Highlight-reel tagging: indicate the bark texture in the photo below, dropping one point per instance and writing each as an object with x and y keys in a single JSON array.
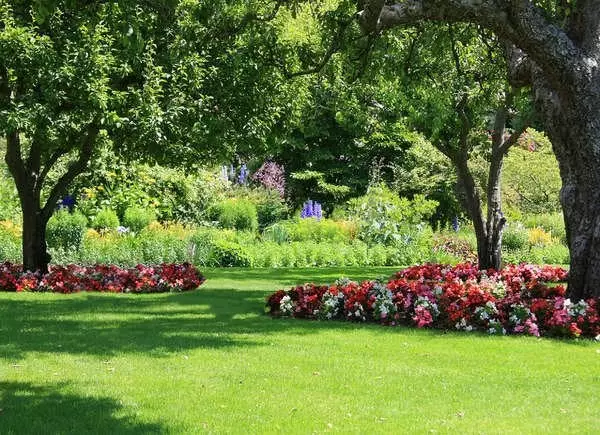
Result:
[
  {"x": 488, "y": 228},
  {"x": 562, "y": 65}
]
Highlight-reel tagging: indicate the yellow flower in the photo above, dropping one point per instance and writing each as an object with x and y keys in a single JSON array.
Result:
[
  {"x": 539, "y": 237},
  {"x": 92, "y": 234}
]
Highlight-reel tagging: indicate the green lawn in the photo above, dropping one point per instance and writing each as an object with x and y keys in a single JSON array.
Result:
[{"x": 211, "y": 361}]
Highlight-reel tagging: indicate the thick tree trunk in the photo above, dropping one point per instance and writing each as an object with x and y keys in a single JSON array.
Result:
[
  {"x": 35, "y": 252},
  {"x": 563, "y": 67},
  {"x": 26, "y": 175},
  {"x": 573, "y": 124}
]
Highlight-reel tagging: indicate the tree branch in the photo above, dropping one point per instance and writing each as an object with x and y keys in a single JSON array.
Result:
[
  {"x": 455, "y": 54},
  {"x": 521, "y": 22},
  {"x": 369, "y": 16},
  {"x": 14, "y": 160},
  {"x": 520, "y": 67},
  {"x": 334, "y": 47},
  {"x": 75, "y": 168},
  {"x": 47, "y": 167}
]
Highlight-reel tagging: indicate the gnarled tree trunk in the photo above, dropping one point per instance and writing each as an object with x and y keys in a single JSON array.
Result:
[{"x": 574, "y": 130}]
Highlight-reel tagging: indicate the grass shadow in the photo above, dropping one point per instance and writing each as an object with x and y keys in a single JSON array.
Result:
[
  {"x": 157, "y": 325},
  {"x": 33, "y": 409},
  {"x": 226, "y": 312}
]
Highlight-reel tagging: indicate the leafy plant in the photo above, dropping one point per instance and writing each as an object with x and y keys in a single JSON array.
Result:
[
  {"x": 225, "y": 253},
  {"x": 239, "y": 214},
  {"x": 65, "y": 230},
  {"x": 137, "y": 218},
  {"x": 106, "y": 219},
  {"x": 384, "y": 218},
  {"x": 539, "y": 237},
  {"x": 514, "y": 237},
  {"x": 270, "y": 206},
  {"x": 553, "y": 223}
]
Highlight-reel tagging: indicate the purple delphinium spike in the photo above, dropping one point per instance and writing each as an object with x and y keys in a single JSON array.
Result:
[
  {"x": 455, "y": 224},
  {"x": 318, "y": 211},
  {"x": 243, "y": 174}
]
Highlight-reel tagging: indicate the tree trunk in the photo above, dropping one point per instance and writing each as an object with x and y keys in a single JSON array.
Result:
[
  {"x": 488, "y": 233},
  {"x": 29, "y": 176},
  {"x": 35, "y": 252},
  {"x": 573, "y": 125},
  {"x": 495, "y": 218}
]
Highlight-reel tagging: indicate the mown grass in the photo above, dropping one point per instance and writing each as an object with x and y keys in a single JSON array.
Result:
[{"x": 210, "y": 361}]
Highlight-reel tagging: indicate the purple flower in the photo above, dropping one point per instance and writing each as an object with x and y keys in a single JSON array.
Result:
[
  {"x": 272, "y": 176},
  {"x": 455, "y": 224},
  {"x": 311, "y": 209},
  {"x": 243, "y": 175}
]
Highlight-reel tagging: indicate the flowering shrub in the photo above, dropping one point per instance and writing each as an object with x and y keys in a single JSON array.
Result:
[
  {"x": 102, "y": 278},
  {"x": 524, "y": 299},
  {"x": 272, "y": 176}
]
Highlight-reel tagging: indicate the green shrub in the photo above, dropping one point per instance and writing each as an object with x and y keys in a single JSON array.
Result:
[
  {"x": 174, "y": 194},
  {"x": 552, "y": 254},
  {"x": 200, "y": 247},
  {"x": 10, "y": 242},
  {"x": 302, "y": 230},
  {"x": 106, "y": 219},
  {"x": 229, "y": 254},
  {"x": 514, "y": 237},
  {"x": 65, "y": 230},
  {"x": 531, "y": 177},
  {"x": 384, "y": 218},
  {"x": 278, "y": 233},
  {"x": 137, "y": 218},
  {"x": 269, "y": 205},
  {"x": 110, "y": 249},
  {"x": 238, "y": 214}
]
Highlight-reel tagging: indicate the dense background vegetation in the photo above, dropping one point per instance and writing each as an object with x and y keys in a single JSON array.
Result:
[{"x": 190, "y": 168}]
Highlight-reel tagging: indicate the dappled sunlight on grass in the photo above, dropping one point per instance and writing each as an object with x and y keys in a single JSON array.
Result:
[{"x": 211, "y": 360}]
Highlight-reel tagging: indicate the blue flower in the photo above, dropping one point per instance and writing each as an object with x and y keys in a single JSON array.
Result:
[{"x": 311, "y": 209}]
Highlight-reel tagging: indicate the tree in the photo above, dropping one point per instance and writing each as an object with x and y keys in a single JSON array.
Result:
[
  {"x": 160, "y": 81},
  {"x": 554, "y": 47},
  {"x": 454, "y": 89}
]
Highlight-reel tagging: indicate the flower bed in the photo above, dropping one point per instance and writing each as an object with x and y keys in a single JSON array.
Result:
[
  {"x": 516, "y": 300},
  {"x": 102, "y": 278}
]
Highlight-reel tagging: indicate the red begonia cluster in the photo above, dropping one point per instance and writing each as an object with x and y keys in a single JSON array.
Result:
[
  {"x": 524, "y": 299},
  {"x": 102, "y": 278}
]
